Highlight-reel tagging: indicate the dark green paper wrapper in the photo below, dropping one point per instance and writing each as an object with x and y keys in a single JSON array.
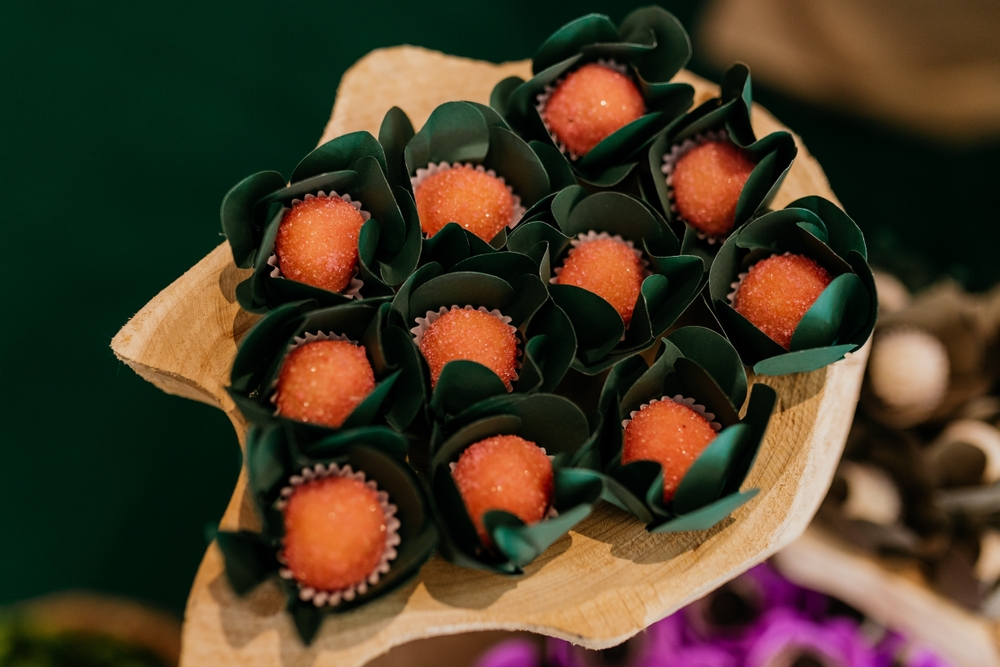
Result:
[
  {"x": 730, "y": 112},
  {"x": 353, "y": 164},
  {"x": 398, "y": 394},
  {"x": 505, "y": 281},
  {"x": 673, "y": 283},
  {"x": 553, "y": 423},
  {"x": 274, "y": 455},
  {"x": 466, "y": 133},
  {"x": 650, "y": 42},
  {"x": 841, "y": 319},
  {"x": 695, "y": 363}
]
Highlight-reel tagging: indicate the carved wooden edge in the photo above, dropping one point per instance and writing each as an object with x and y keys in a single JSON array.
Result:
[
  {"x": 200, "y": 306},
  {"x": 896, "y": 599}
]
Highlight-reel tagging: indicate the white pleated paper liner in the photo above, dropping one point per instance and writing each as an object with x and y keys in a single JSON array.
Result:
[
  {"x": 392, "y": 539},
  {"x": 353, "y": 290},
  {"x": 687, "y": 402},
  {"x": 677, "y": 151},
  {"x": 423, "y": 173},
  {"x": 432, "y": 316},
  {"x": 542, "y": 99}
]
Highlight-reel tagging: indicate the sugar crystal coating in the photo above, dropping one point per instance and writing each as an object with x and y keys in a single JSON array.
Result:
[
  {"x": 335, "y": 533},
  {"x": 475, "y": 200},
  {"x": 505, "y": 472},
  {"x": 707, "y": 182},
  {"x": 671, "y": 434},
  {"x": 591, "y": 104},
  {"x": 323, "y": 381},
  {"x": 464, "y": 333},
  {"x": 778, "y": 291},
  {"x": 607, "y": 267},
  {"x": 317, "y": 243}
]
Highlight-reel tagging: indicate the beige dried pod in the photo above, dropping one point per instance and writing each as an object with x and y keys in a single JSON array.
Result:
[
  {"x": 908, "y": 373},
  {"x": 871, "y": 494},
  {"x": 892, "y": 293},
  {"x": 988, "y": 564},
  {"x": 967, "y": 453}
]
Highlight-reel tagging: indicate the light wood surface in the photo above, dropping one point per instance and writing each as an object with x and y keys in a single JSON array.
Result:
[
  {"x": 597, "y": 586},
  {"x": 897, "y": 598}
]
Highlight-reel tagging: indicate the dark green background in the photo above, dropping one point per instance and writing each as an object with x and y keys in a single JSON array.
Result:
[{"x": 122, "y": 126}]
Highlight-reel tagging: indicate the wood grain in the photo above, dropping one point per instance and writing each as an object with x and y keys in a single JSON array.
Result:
[{"x": 597, "y": 586}]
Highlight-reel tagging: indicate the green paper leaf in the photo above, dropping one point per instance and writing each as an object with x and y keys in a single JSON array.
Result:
[
  {"x": 803, "y": 361},
  {"x": 461, "y": 288},
  {"x": 571, "y": 38},
  {"x": 708, "y": 516},
  {"x": 463, "y": 383},
  {"x": 339, "y": 154},
  {"x": 515, "y": 161},
  {"x": 454, "y": 132},
  {"x": 597, "y": 324},
  {"x": 717, "y": 356},
  {"x": 395, "y": 132},
  {"x": 242, "y": 218},
  {"x": 705, "y": 479},
  {"x": 556, "y": 165},
  {"x": 821, "y": 324},
  {"x": 657, "y": 27}
]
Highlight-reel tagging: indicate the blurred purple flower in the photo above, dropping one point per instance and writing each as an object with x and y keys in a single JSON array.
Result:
[
  {"x": 511, "y": 653},
  {"x": 786, "y": 637}
]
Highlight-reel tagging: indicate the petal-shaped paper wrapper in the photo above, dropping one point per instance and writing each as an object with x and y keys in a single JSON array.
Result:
[
  {"x": 841, "y": 319},
  {"x": 654, "y": 46},
  {"x": 274, "y": 455},
  {"x": 696, "y": 363},
  {"x": 672, "y": 284},
  {"x": 353, "y": 164},
  {"x": 731, "y": 111},
  {"x": 184, "y": 341}
]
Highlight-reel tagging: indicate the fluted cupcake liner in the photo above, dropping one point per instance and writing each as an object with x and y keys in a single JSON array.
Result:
[
  {"x": 398, "y": 394},
  {"x": 840, "y": 320},
  {"x": 701, "y": 368},
  {"x": 275, "y": 455},
  {"x": 653, "y": 47},
  {"x": 554, "y": 424},
  {"x": 462, "y": 133},
  {"x": 727, "y": 116},
  {"x": 672, "y": 284},
  {"x": 353, "y": 165}
]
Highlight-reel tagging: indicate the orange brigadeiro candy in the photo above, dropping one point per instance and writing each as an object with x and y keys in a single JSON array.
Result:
[
  {"x": 335, "y": 533},
  {"x": 778, "y": 291},
  {"x": 475, "y": 200},
  {"x": 589, "y": 105},
  {"x": 607, "y": 267},
  {"x": 317, "y": 243},
  {"x": 507, "y": 473},
  {"x": 464, "y": 333},
  {"x": 671, "y": 434},
  {"x": 707, "y": 182},
  {"x": 323, "y": 381}
]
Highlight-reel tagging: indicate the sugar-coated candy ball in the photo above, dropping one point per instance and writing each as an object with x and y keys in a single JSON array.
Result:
[
  {"x": 591, "y": 104},
  {"x": 671, "y": 434},
  {"x": 475, "y": 200},
  {"x": 707, "y": 182},
  {"x": 317, "y": 243},
  {"x": 464, "y": 333},
  {"x": 335, "y": 533},
  {"x": 507, "y": 473},
  {"x": 323, "y": 381},
  {"x": 607, "y": 267},
  {"x": 778, "y": 291}
]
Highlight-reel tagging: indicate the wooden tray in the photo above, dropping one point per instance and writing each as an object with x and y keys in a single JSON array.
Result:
[
  {"x": 894, "y": 595},
  {"x": 597, "y": 586}
]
